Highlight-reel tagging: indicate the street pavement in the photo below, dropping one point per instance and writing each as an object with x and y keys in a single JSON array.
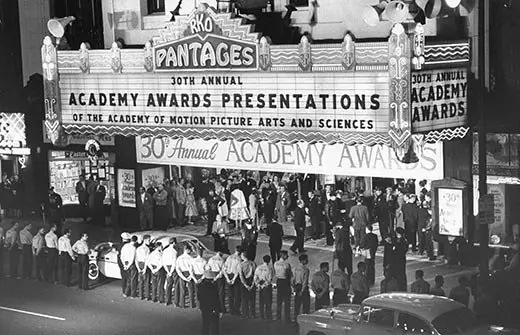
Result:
[{"x": 103, "y": 310}]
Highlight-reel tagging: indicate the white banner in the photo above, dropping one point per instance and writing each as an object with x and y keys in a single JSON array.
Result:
[
  {"x": 301, "y": 157},
  {"x": 451, "y": 221},
  {"x": 126, "y": 187}
]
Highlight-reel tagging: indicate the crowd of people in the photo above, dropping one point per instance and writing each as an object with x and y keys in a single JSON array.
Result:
[{"x": 11, "y": 195}]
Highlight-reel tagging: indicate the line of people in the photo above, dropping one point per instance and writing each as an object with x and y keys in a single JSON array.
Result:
[{"x": 44, "y": 256}]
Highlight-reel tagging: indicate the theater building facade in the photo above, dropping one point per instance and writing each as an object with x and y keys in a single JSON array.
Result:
[{"x": 207, "y": 93}]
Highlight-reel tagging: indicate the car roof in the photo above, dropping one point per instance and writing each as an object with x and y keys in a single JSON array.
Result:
[
  {"x": 425, "y": 306},
  {"x": 163, "y": 236}
]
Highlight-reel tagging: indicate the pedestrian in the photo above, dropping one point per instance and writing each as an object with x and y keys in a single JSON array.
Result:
[
  {"x": 282, "y": 271},
  {"x": 181, "y": 198},
  {"x": 320, "y": 286},
  {"x": 51, "y": 244},
  {"x": 66, "y": 256},
  {"x": 300, "y": 284},
  {"x": 314, "y": 211},
  {"x": 55, "y": 210},
  {"x": 198, "y": 266},
  {"x": 81, "y": 249},
  {"x": 231, "y": 272},
  {"x": 26, "y": 238},
  {"x": 420, "y": 285},
  {"x": 460, "y": 292},
  {"x": 154, "y": 264},
  {"x": 81, "y": 190},
  {"x": 389, "y": 283},
  {"x": 275, "y": 232},
  {"x": 381, "y": 213},
  {"x": 184, "y": 270},
  {"x": 209, "y": 304},
  {"x": 332, "y": 217},
  {"x": 269, "y": 196},
  {"x": 169, "y": 260},
  {"x": 359, "y": 284},
  {"x": 247, "y": 271},
  {"x": 220, "y": 231},
  {"x": 299, "y": 227},
  {"x": 127, "y": 259},
  {"x": 145, "y": 209},
  {"x": 161, "y": 218},
  {"x": 343, "y": 249},
  {"x": 38, "y": 251},
  {"x": 411, "y": 220},
  {"x": 340, "y": 283},
  {"x": 249, "y": 239},
  {"x": 97, "y": 197},
  {"x": 191, "y": 204},
  {"x": 437, "y": 288},
  {"x": 360, "y": 218},
  {"x": 2, "y": 238},
  {"x": 212, "y": 201},
  {"x": 263, "y": 279},
  {"x": 143, "y": 273},
  {"x": 399, "y": 259},
  {"x": 283, "y": 202},
  {"x": 216, "y": 265},
  {"x": 369, "y": 246},
  {"x": 12, "y": 244},
  {"x": 388, "y": 250},
  {"x": 428, "y": 229},
  {"x": 253, "y": 203}
]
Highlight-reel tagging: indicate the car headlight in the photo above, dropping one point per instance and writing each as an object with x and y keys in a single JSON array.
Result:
[{"x": 92, "y": 254}]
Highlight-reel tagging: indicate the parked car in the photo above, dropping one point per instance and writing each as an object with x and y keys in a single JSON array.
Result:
[
  {"x": 103, "y": 257},
  {"x": 397, "y": 314}
]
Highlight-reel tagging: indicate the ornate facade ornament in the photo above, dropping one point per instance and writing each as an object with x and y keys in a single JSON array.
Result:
[
  {"x": 304, "y": 54},
  {"x": 84, "y": 63},
  {"x": 51, "y": 90},
  {"x": 264, "y": 57},
  {"x": 148, "y": 57},
  {"x": 348, "y": 53},
  {"x": 115, "y": 62},
  {"x": 418, "y": 47}
]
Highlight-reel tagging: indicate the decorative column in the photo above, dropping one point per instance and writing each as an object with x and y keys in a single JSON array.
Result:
[
  {"x": 51, "y": 91},
  {"x": 399, "y": 51}
]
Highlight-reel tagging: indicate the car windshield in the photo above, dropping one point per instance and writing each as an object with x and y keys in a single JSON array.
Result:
[{"x": 456, "y": 322}]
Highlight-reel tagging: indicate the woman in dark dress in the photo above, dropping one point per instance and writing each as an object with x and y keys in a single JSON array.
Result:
[{"x": 399, "y": 259}]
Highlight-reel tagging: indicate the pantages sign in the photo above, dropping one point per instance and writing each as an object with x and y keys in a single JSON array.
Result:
[{"x": 208, "y": 76}]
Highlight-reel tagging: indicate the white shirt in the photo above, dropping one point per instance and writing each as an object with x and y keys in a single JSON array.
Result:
[
  {"x": 184, "y": 263},
  {"x": 155, "y": 260},
  {"x": 198, "y": 265},
  {"x": 51, "y": 240},
  {"x": 216, "y": 263},
  {"x": 64, "y": 246},
  {"x": 232, "y": 264},
  {"x": 169, "y": 258},
  {"x": 143, "y": 196},
  {"x": 127, "y": 256},
  {"x": 141, "y": 254},
  {"x": 80, "y": 247}
]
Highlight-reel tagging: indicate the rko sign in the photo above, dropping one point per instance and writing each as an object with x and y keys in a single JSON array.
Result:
[{"x": 205, "y": 47}]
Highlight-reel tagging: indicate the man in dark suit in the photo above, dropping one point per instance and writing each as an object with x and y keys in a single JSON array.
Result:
[
  {"x": 275, "y": 232},
  {"x": 299, "y": 226},
  {"x": 314, "y": 211},
  {"x": 99, "y": 196},
  {"x": 411, "y": 220},
  {"x": 209, "y": 304},
  {"x": 145, "y": 208},
  {"x": 81, "y": 190},
  {"x": 343, "y": 249}
]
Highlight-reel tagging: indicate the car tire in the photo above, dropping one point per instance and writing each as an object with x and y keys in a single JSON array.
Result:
[
  {"x": 93, "y": 271},
  {"x": 315, "y": 333}
]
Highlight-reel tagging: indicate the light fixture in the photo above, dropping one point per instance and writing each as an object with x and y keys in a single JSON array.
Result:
[
  {"x": 395, "y": 12},
  {"x": 372, "y": 14},
  {"x": 57, "y": 26}
]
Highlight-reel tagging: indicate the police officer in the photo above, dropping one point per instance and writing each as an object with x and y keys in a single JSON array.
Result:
[
  {"x": 51, "y": 244},
  {"x": 340, "y": 283},
  {"x": 264, "y": 275},
  {"x": 247, "y": 272},
  {"x": 215, "y": 265},
  {"x": 300, "y": 282},
  {"x": 38, "y": 245},
  {"x": 169, "y": 260},
  {"x": 26, "y": 243},
  {"x": 320, "y": 286},
  {"x": 125, "y": 239},
  {"x": 143, "y": 273},
  {"x": 282, "y": 270},
  {"x": 209, "y": 304},
  {"x": 198, "y": 267},
  {"x": 66, "y": 256},
  {"x": 154, "y": 264},
  {"x": 81, "y": 249},
  {"x": 184, "y": 270},
  {"x": 231, "y": 273}
]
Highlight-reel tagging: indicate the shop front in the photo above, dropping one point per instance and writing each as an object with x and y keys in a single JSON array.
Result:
[{"x": 208, "y": 94}]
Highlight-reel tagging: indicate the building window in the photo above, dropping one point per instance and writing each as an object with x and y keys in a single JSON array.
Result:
[
  {"x": 300, "y": 3},
  {"x": 155, "y": 6}
]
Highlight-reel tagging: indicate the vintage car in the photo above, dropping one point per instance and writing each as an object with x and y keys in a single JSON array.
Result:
[
  {"x": 103, "y": 257},
  {"x": 397, "y": 314}
]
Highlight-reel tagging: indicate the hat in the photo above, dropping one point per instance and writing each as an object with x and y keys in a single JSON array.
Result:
[
  {"x": 400, "y": 230},
  {"x": 125, "y": 236},
  {"x": 208, "y": 274}
]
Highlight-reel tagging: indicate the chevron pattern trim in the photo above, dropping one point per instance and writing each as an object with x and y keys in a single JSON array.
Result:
[{"x": 446, "y": 134}]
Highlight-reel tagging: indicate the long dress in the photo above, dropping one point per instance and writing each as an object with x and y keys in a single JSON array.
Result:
[
  {"x": 223, "y": 209},
  {"x": 191, "y": 204},
  {"x": 238, "y": 206}
]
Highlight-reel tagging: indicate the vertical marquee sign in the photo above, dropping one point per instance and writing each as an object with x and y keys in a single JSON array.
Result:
[{"x": 208, "y": 76}]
